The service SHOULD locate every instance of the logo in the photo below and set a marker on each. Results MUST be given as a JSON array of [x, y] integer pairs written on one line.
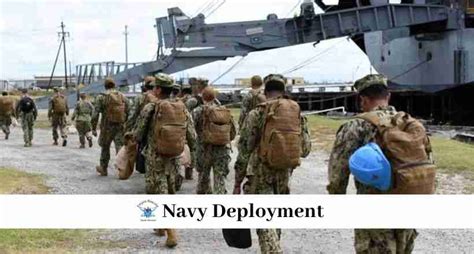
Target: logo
[[148, 208]]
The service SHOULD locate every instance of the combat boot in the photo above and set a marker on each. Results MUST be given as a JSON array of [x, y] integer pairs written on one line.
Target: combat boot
[[159, 232], [6, 135], [64, 142], [188, 173], [172, 239], [55, 142], [82, 146], [101, 170], [89, 140]]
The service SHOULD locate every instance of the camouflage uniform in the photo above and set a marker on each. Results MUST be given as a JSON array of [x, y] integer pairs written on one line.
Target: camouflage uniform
[[263, 180], [82, 115], [161, 171], [6, 119], [351, 136], [240, 166], [27, 122], [58, 120], [108, 131], [213, 156], [193, 102], [137, 106]]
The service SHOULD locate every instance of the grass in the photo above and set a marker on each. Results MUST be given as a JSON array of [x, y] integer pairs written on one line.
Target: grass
[[13, 181], [453, 156], [43, 240], [323, 131], [53, 241]]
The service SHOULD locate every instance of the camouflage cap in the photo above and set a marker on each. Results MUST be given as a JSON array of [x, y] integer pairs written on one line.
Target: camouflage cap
[[370, 80], [275, 78], [176, 86], [163, 80]]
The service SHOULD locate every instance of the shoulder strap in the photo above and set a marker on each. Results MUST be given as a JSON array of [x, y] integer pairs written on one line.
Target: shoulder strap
[[370, 117]]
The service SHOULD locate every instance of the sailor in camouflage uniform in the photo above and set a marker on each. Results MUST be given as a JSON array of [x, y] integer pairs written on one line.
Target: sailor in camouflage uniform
[[215, 157], [140, 101], [197, 86], [58, 119], [7, 110], [248, 103], [374, 95], [109, 131], [26, 110], [161, 171], [186, 93], [82, 115], [260, 178]]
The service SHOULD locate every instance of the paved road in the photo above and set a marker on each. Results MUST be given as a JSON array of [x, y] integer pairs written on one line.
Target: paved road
[[72, 171]]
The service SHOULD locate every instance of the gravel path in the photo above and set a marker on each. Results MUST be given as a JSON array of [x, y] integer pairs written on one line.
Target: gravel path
[[71, 170]]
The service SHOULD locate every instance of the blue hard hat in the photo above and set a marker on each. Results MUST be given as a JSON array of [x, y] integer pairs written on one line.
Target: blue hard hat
[[369, 166]]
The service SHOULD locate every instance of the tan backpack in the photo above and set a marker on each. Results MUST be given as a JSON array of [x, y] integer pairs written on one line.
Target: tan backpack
[[280, 144], [6, 106], [149, 98], [404, 142], [217, 125], [59, 104], [116, 107], [170, 127]]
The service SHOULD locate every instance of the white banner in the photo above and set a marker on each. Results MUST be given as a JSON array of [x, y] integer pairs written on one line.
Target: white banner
[[236, 211]]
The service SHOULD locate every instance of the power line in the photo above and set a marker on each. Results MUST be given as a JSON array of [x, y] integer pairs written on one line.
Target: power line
[[215, 9], [311, 59], [228, 70], [411, 69], [294, 7]]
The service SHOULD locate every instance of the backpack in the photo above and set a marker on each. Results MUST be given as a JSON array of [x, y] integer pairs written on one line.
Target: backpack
[[59, 104], [6, 106], [217, 125], [257, 97], [280, 143], [404, 142], [115, 107], [149, 98], [26, 105], [170, 128]]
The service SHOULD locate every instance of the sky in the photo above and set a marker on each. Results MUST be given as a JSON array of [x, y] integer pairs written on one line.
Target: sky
[[29, 39]]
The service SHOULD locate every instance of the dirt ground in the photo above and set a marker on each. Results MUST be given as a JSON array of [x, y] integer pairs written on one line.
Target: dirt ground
[[71, 170]]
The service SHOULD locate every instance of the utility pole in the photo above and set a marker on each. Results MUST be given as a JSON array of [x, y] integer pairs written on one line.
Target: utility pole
[[63, 34], [126, 46]]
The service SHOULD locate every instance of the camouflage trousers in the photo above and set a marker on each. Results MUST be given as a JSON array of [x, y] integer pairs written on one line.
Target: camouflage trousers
[[216, 158], [395, 241], [241, 163], [59, 122], [84, 130], [160, 175], [27, 123], [5, 122], [268, 181], [109, 133]]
